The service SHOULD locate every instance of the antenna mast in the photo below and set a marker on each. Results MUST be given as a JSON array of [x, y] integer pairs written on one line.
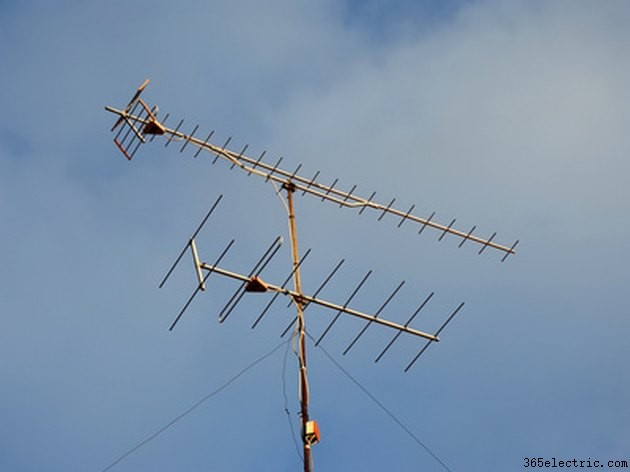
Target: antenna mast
[[137, 123], [309, 429]]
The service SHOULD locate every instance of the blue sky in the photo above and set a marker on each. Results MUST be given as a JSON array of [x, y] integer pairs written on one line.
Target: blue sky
[[508, 115]]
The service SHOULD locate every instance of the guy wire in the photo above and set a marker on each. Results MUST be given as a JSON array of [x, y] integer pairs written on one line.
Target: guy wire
[[382, 407], [193, 407]]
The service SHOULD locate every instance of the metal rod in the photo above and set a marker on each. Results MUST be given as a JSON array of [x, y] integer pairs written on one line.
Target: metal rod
[[301, 329], [131, 128], [375, 316], [386, 209], [193, 248], [189, 138], [227, 141], [508, 253], [487, 243], [175, 133], [312, 181], [321, 287], [274, 169], [330, 276], [406, 215], [343, 308], [133, 153], [240, 155], [258, 268], [258, 161], [447, 229], [436, 334], [181, 254], [203, 266], [122, 149], [468, 236], [330, 189], [326, 280], [396, 336], [295, 172], [204, 143], [122, 143], [427, 222], [349, 193], [366, 205]]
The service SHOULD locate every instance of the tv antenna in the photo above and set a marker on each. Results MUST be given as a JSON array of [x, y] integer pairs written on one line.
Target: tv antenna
[[138, 123]]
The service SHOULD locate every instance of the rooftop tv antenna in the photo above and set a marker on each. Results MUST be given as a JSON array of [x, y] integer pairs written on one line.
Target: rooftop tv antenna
[[138, 123]]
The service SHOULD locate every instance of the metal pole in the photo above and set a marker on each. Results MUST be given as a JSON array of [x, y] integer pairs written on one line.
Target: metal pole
[[301, 330]]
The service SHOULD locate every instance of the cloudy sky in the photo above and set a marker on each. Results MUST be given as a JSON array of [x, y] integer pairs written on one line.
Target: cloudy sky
[[508, 115]]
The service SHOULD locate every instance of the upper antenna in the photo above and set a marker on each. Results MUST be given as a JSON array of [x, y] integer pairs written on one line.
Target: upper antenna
[[138, 121], [141, 121]]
